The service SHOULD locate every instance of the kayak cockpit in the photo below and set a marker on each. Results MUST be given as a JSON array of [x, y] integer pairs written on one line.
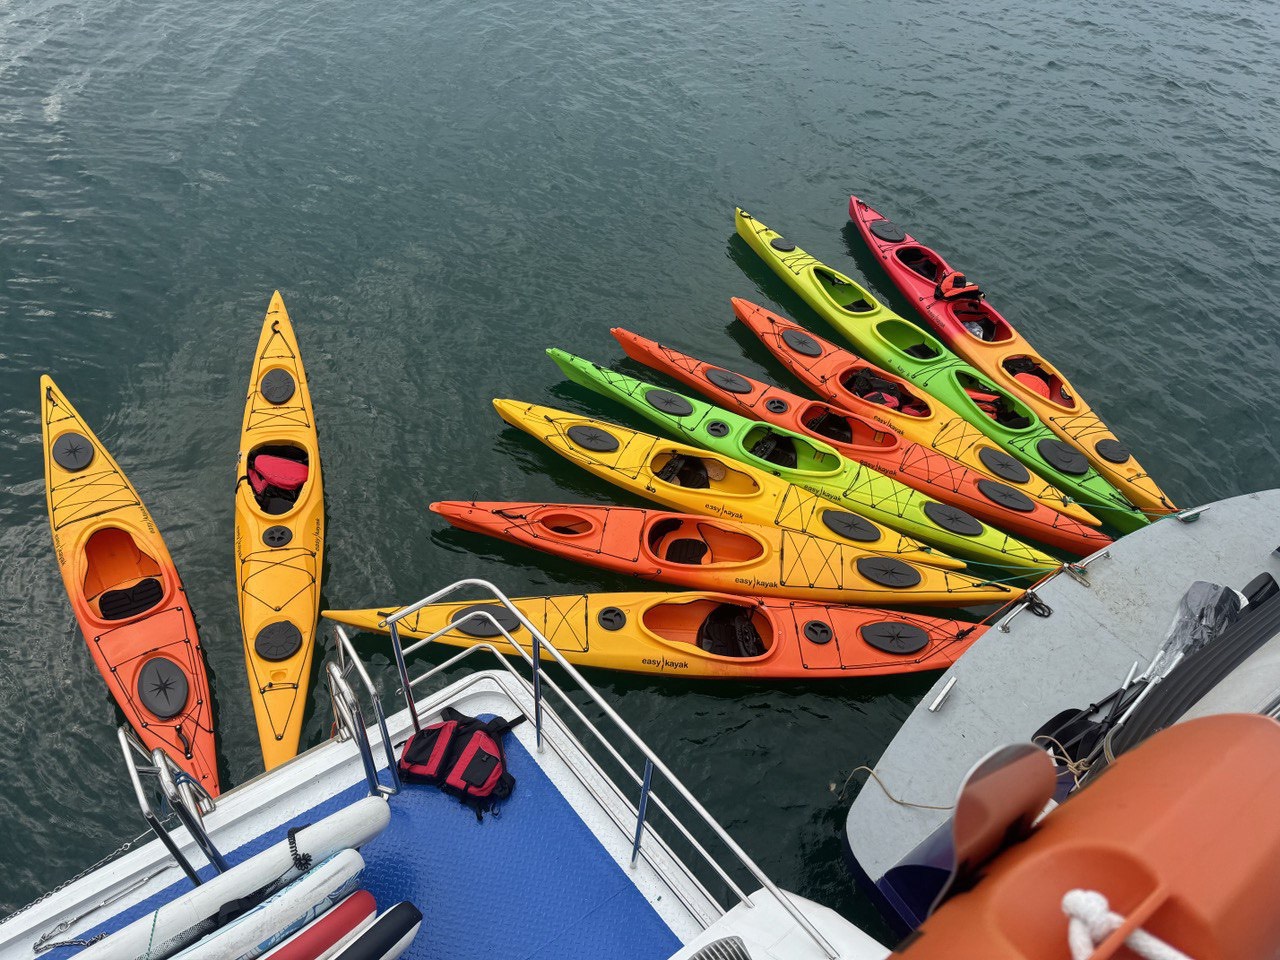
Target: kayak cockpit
[[980, 320], [693, 542], [893, 394], [120, 579], [838, 427], [734, 630], [277, 474], [921, 261], [842, 291], [909, 339], [786, 450], [1040, 379], [700, 473], [1005, 410], [567, 524]]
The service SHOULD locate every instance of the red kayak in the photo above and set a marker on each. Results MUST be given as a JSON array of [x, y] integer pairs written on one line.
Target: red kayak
[[958, 312], [869, 443]]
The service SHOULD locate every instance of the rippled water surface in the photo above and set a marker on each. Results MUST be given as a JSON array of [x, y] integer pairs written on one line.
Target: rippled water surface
[[442, 190]]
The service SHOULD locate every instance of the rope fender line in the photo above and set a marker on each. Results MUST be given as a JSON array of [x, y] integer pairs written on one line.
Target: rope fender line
[[1090, 921]]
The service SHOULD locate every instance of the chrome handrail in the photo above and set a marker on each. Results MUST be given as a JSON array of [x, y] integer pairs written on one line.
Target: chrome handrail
[[542, 646], [351, 723], [188, 798]]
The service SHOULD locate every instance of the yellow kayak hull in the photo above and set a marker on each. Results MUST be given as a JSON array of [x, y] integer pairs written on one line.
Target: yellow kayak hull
[[279, 555], [674, 633]]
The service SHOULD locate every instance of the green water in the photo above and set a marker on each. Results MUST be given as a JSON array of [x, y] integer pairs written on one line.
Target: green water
[[442, 190]]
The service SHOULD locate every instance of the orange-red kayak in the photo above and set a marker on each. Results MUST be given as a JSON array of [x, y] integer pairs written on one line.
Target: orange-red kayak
[[714, 636], [870, 443], [852, 383], [717, 553], [126, 593]]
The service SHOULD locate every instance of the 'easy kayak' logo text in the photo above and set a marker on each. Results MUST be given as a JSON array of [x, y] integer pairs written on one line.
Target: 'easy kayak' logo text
[[662, 663]]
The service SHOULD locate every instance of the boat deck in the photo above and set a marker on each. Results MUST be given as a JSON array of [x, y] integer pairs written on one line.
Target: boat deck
[[533, 882], [1009, 683]]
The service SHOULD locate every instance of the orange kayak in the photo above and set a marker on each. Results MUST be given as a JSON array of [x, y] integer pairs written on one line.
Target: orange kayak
[[852, 383], [872, 444], [126, 593], [714, 636], [716, 553]]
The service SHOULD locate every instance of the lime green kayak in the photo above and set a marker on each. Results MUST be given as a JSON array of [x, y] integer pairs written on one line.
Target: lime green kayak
[[811, 464], [900, 347]]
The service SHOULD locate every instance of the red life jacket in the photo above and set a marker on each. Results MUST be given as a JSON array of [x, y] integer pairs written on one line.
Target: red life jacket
[[279, 472], [462, 756], [954, 286]]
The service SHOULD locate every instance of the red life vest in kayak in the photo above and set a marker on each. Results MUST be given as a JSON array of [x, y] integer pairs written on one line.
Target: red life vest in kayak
[[954, 286]]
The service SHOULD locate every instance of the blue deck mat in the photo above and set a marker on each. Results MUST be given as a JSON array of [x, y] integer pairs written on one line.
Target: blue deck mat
[[531, 884]]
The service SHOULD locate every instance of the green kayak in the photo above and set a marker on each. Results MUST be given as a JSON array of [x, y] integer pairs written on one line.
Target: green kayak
[[891, 342], [810, 464]]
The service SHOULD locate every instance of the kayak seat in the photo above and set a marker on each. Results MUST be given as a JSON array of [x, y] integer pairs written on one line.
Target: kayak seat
[[1033, 383], [686, 550], [858, 306], [832, 426], [776, 449], [128, 602], [728, 632], [685, 471]]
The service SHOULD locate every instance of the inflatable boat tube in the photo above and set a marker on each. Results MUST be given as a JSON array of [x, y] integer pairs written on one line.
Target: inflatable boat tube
[[185, 919], [388, 937]]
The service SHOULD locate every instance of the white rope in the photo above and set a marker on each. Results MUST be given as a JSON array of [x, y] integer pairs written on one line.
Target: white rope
[[1090, 921]]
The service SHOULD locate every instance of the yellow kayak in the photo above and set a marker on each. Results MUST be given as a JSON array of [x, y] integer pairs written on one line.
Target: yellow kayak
[[279, 536], [699, 481], [714, 636]]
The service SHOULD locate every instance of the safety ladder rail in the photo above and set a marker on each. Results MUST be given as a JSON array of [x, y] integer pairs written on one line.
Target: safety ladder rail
[[188, 798], [533, 658], [349, 719]]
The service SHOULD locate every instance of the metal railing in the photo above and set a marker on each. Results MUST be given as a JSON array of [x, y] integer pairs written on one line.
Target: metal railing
[[540, 649], [188, 798]]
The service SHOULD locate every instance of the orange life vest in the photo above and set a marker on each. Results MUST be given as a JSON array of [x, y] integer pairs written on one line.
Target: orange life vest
[[954, 286]]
